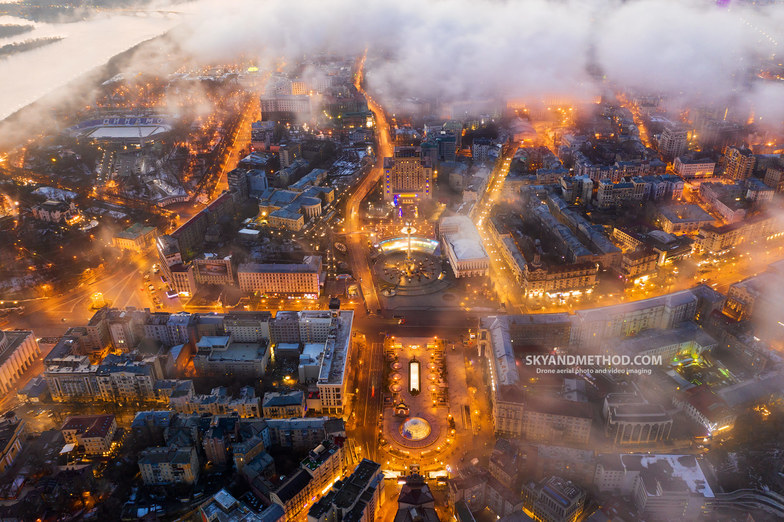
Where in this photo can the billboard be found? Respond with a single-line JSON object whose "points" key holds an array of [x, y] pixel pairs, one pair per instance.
{"points": [[212, 267]]}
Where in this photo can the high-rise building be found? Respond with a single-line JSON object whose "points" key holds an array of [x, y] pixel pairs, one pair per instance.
{"points": [[238, 182], [407, 176], [774, 177], [738, 162], [673, 141]]}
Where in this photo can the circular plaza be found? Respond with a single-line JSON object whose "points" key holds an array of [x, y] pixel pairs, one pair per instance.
{"points": [[409, 265]]}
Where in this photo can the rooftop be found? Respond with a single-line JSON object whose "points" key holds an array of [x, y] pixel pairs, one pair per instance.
{"points": [[10, 340], [319, 455], [705, 401], [291, 398], [556, 406], [134, 231], [170, 454], [604, 313], [333, 364], [9, 429], [89, 425], [280, 268], [687, 335], [672, 472], [685, 213], [293, 485]]}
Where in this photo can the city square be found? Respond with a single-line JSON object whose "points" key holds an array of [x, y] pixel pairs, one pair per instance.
{"points": [[465, 260]]}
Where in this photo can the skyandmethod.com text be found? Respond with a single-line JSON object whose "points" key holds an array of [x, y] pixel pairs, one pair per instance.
{"points": [[595, 361]]}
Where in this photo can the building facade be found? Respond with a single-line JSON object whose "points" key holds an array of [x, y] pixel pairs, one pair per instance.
{"points": [[407, 176], [282, 279], [18, 351], [169, 465]]}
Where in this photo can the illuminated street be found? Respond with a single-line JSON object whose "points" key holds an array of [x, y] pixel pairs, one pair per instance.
{"points": [[392, 261]]}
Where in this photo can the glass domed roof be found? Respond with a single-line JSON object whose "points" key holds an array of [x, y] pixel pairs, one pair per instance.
{"points": [[415, 428]]}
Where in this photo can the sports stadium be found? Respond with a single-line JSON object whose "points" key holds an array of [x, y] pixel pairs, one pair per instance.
{"points": [[123, 130]]}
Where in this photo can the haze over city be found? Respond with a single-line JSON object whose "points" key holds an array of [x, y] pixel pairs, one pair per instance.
{"points": [[411, 261]]}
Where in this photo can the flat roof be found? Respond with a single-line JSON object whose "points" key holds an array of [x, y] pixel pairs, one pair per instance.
{"points": [[606, 312], [333, 364], [685, 213], [685, 469], [277, 268], [503, 352], [239, 352], [138, 132], [655, 338]]}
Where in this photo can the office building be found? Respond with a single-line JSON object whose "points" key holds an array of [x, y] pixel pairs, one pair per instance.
{"points": [[763, 227], [325, 464], [294, 493], [332, 379], [221, 355], [415, 502], [596, 326], [304, 433], [54, 211], [282, 279], [638, 264], [673, 141], [407, 176], [554, 499], [223, 507], [247, 327], [662, 487], [500, 332], [550, 418], [237, 180], [127, 380], [680, 342], [611, 194], [688, 167], [754, 296]]}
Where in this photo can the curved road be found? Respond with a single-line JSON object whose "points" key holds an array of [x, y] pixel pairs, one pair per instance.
{"points": [[355, 239]]}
